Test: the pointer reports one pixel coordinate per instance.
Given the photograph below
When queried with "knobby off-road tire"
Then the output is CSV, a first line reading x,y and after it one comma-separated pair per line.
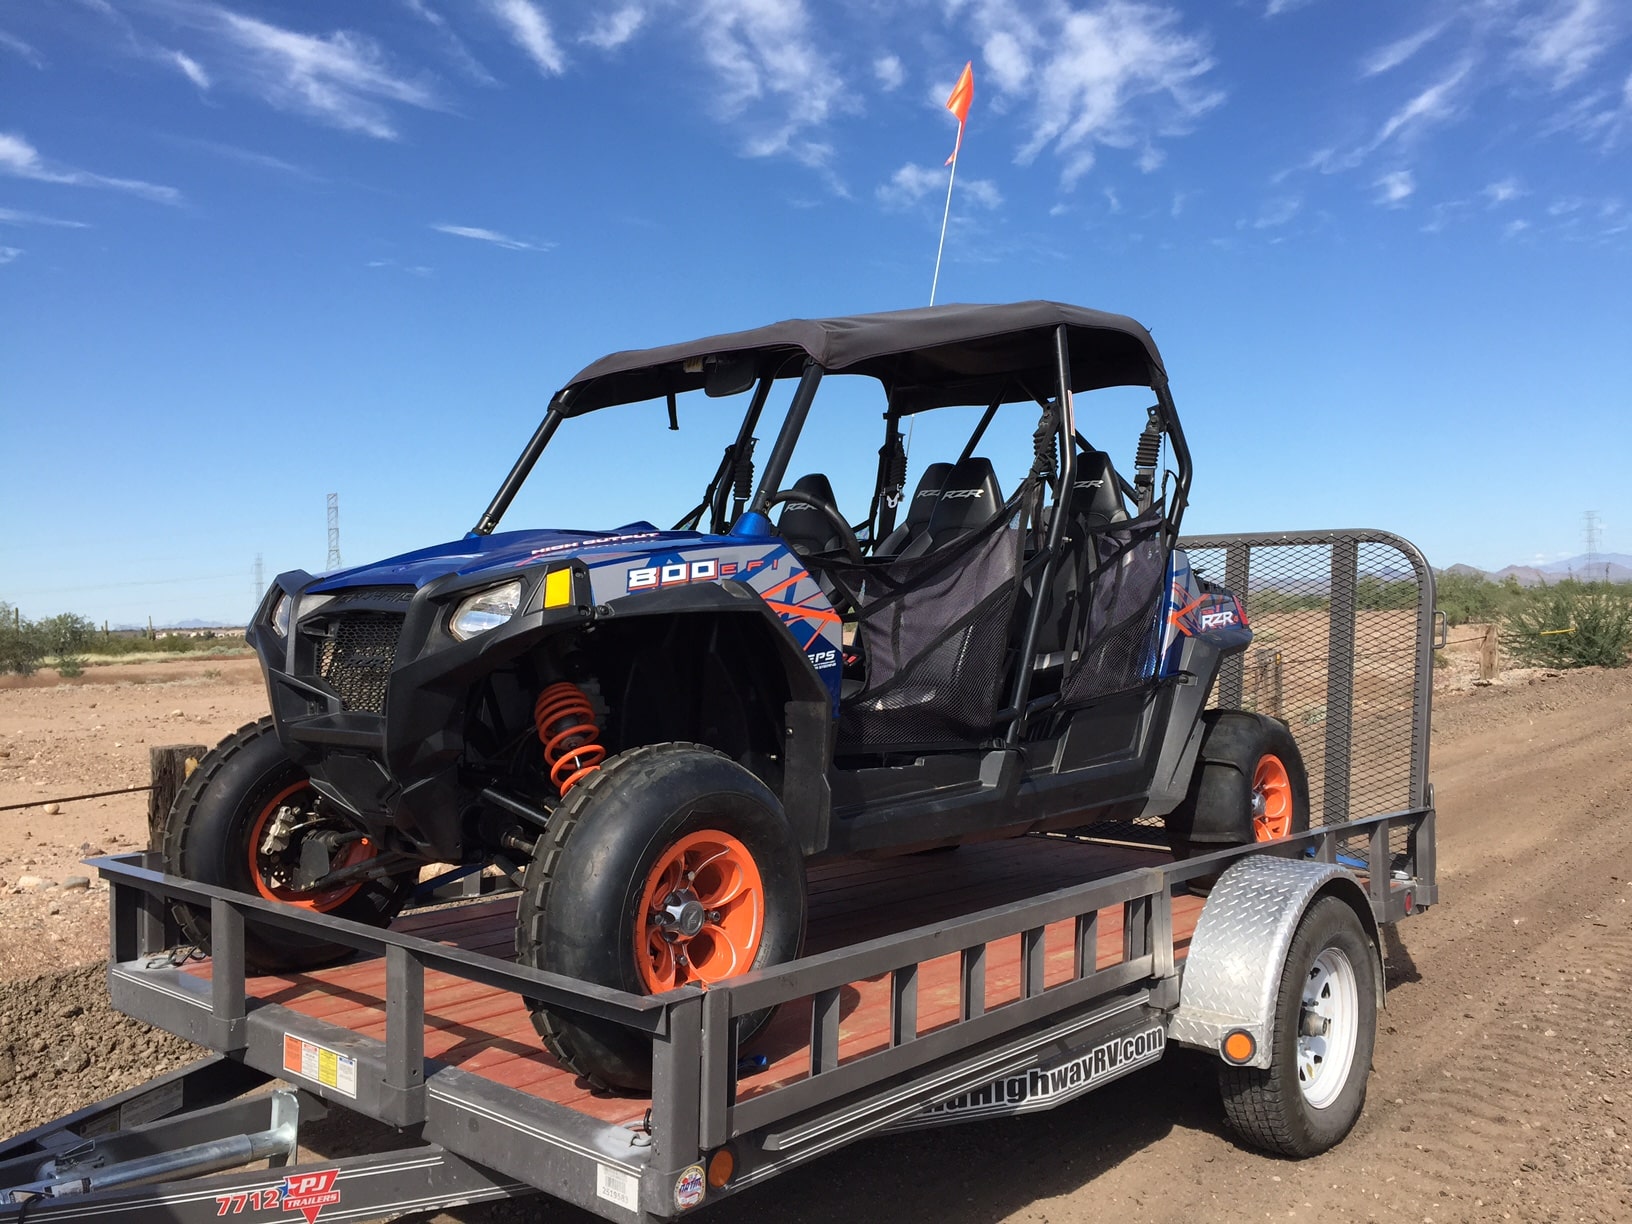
x,y
1312,1092
587,897
208,836
1242,756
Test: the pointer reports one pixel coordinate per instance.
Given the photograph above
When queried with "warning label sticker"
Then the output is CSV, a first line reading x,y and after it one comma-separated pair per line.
x,y
320,1064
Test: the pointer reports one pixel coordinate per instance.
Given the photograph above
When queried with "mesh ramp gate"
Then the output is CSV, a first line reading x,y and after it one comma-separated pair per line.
x,y
1342,652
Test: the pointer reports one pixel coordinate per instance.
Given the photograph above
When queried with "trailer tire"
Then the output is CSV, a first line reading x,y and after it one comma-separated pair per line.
x,y
1249,785
208,835
1311,1094
604,874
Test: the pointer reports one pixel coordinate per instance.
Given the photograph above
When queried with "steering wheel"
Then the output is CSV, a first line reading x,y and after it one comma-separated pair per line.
x,y
847,535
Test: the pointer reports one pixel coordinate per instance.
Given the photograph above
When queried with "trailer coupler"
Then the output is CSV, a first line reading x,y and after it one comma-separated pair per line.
x,y
99,1164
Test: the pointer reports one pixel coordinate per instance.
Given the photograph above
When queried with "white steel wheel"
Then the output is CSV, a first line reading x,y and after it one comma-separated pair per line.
x,y
1311,1094
1327,1028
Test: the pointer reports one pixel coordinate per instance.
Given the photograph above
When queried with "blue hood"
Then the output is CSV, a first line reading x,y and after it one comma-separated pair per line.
x,y
508,550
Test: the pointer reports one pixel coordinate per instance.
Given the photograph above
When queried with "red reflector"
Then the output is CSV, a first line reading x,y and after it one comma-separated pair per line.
x,y
1410,901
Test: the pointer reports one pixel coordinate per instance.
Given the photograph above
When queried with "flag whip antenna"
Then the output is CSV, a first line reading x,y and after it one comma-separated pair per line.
x,y
963,93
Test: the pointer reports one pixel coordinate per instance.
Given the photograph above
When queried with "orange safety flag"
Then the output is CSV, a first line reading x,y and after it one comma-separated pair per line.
x,y
963,93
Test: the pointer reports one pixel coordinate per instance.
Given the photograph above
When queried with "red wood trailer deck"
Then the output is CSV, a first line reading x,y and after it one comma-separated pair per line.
x,y
487,1031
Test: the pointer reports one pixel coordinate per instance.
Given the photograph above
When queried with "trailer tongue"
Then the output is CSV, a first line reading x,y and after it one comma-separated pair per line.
x,y
1012,978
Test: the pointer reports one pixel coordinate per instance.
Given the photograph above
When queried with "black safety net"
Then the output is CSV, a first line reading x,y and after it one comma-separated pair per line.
x,y
1117,616
932,636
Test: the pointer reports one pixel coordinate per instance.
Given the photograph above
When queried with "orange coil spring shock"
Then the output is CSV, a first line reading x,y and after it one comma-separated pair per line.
x,y
566,728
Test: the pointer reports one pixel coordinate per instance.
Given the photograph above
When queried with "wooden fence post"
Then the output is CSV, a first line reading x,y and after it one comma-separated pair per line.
x,y
1487,655
170,766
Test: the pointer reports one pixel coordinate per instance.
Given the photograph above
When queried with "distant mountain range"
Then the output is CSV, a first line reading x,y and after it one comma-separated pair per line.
x,y
191,623
1611,567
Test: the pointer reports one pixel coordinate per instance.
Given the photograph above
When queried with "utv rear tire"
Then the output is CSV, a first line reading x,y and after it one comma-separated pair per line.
x,y
207,839
1239,750
1311,1094
584,910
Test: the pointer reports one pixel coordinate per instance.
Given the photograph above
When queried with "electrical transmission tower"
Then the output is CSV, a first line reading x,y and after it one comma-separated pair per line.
x,y
334,532
260,580
1593,534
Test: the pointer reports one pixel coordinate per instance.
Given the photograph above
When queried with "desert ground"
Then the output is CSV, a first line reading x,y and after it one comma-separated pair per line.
x,y
1502,1082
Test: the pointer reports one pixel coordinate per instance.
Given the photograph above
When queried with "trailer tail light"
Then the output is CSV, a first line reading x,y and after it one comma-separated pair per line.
x,y
721,1166
1239,1047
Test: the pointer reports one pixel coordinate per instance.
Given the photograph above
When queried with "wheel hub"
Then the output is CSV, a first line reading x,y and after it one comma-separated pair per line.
x,y
682,915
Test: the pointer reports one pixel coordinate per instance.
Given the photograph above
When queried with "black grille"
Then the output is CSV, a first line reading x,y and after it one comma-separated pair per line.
x,y
355,658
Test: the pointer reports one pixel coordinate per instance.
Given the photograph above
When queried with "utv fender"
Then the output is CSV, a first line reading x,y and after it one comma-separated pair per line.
x,y
808,720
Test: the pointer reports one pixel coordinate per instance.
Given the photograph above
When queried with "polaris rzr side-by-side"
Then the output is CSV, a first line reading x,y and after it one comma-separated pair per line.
x,y
652,731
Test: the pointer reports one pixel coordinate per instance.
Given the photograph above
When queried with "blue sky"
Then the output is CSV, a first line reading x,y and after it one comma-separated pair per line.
x,y
252,253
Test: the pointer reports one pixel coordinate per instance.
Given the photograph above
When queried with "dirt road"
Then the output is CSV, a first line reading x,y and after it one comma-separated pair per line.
x,y
1503,1079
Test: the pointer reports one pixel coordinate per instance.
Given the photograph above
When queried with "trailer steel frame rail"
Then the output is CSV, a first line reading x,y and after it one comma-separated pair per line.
x,y
470,1136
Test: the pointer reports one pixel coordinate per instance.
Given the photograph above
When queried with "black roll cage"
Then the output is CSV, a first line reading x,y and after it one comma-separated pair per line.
x,y
1040,567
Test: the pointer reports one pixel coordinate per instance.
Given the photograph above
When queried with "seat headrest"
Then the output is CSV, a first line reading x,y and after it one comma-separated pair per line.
x,y
805,528
928,492
969,498
1096,498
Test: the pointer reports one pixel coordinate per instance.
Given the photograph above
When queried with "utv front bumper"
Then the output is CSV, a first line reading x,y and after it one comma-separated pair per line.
x,y
369,691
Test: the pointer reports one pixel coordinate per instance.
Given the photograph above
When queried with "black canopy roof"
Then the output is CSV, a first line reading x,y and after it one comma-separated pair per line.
x,y
930,357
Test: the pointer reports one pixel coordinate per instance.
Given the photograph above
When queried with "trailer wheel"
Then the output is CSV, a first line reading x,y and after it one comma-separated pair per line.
x,y
1249,786
1312,1093
670,864
216,834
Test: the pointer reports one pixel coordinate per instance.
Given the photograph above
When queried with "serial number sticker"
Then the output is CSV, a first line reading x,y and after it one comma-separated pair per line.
x,y
320,1064
153,1104
616,1186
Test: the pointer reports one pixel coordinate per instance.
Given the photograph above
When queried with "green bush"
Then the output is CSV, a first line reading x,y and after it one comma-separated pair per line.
x,y
70,666
1573,624
1473,598
20,647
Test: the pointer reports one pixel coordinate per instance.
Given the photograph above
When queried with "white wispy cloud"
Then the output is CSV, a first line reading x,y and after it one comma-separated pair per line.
x,y
775,79
1276,7
529,29
1121,74
612,30
889,71
247,157
1275,213
1392,55
480,234
19,48
1514,228
343,79
12,216
912,182
20,159
1395,187
455,45
1562,43
1501,192
190,68
9,253
1432,105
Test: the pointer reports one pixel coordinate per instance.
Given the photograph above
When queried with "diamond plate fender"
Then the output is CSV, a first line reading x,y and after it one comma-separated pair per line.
x,y
1233,969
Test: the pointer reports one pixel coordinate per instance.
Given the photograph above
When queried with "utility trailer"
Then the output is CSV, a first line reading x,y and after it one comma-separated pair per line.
x,y
1015,977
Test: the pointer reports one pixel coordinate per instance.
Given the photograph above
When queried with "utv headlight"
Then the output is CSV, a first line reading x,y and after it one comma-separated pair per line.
x,y
487,610
280,616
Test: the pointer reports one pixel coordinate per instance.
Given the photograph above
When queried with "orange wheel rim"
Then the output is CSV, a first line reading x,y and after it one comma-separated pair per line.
x,y
354,852
1271,800
702,913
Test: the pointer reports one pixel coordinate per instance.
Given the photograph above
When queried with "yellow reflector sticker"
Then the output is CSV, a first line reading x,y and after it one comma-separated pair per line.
x,y
558,588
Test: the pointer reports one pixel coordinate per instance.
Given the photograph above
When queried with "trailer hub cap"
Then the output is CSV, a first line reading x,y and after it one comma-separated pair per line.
x,y
702,912
1328,1028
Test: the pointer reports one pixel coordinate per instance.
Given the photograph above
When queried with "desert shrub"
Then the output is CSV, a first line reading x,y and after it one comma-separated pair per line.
x,y
20,646
1573,624
70,666
1472,598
